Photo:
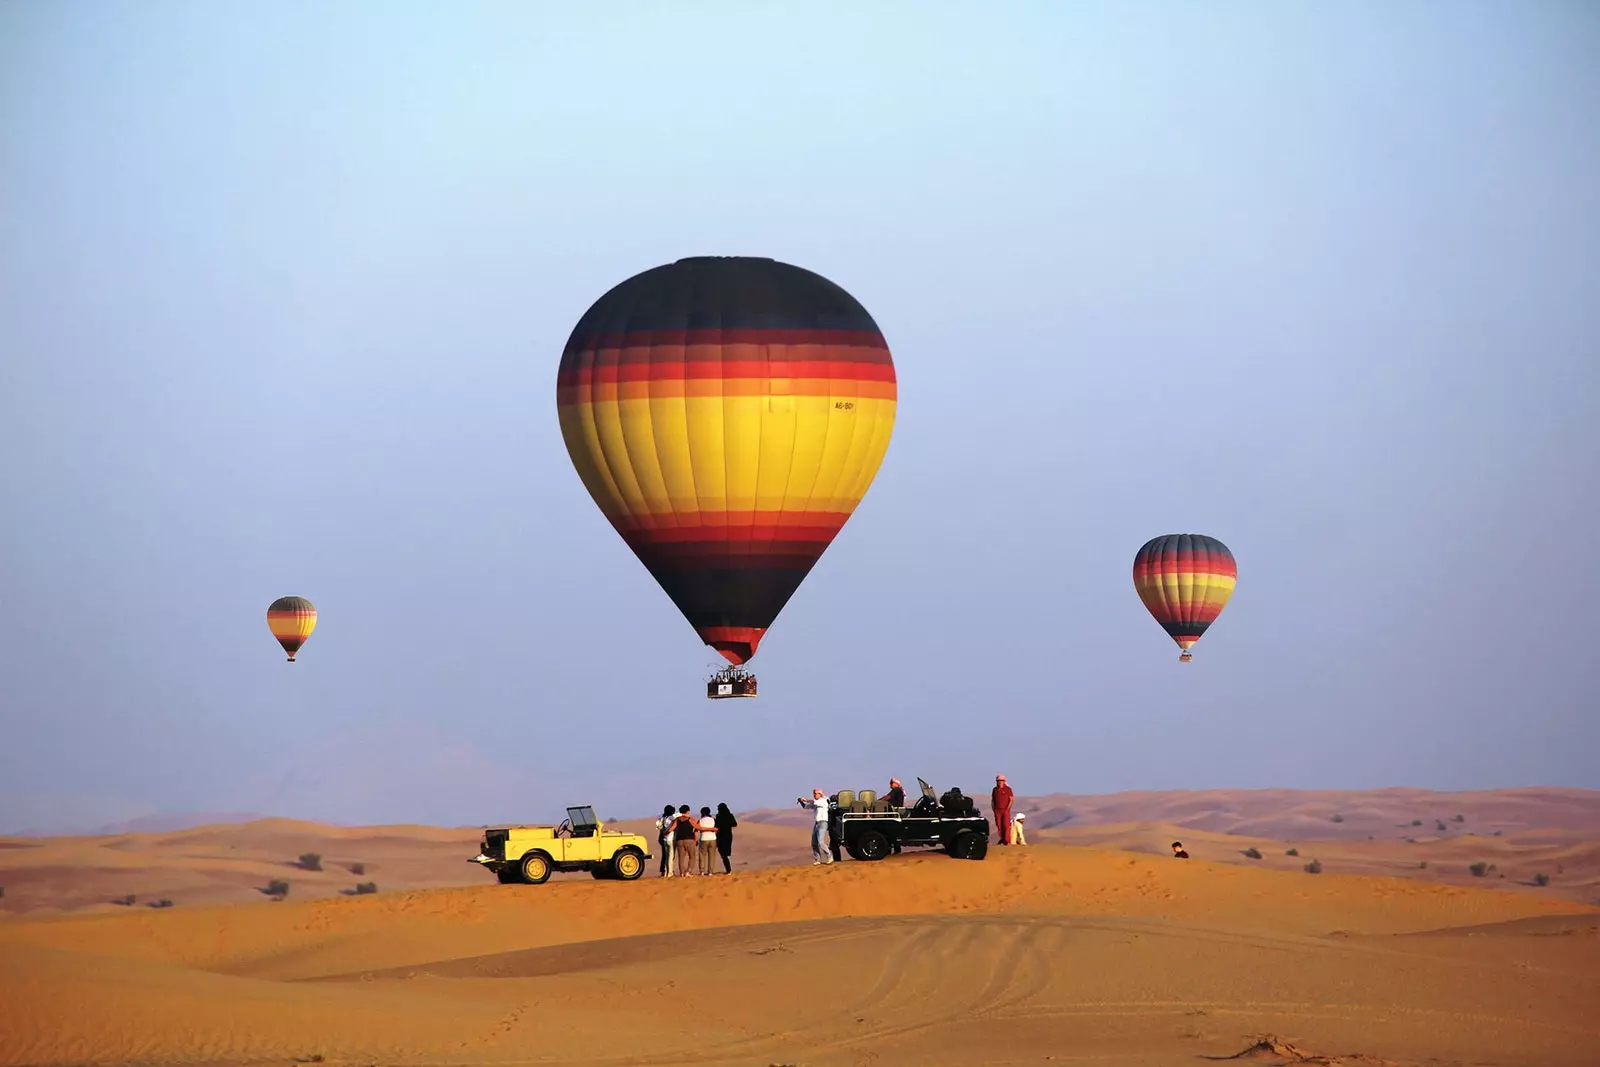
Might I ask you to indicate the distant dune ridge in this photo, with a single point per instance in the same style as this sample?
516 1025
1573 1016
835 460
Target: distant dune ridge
1553 832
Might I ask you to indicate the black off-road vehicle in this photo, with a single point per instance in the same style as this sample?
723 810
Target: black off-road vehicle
869 829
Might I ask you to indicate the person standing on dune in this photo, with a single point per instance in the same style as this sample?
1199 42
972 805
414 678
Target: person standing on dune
707 842
683 831
1018 837
725 823
1000 804
819 826
896 799
664 840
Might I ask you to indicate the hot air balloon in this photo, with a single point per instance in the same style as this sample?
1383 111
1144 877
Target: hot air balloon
727 414
291 620
1185 580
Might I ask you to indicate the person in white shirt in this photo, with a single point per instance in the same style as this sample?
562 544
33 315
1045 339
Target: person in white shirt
819 828
707 842
1017 837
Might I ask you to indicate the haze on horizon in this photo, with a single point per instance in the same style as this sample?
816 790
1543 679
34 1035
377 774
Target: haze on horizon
283 290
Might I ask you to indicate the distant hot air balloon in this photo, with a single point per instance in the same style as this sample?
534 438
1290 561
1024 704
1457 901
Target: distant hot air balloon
1185 580
291 620
727 414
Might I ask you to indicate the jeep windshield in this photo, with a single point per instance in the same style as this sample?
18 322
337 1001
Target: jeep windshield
583 821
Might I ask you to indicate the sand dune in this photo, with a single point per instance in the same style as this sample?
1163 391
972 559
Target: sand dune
1050 953
1544 832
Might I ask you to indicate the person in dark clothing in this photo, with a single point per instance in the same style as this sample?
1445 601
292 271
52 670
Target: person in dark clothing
1178 852
833 827
725 824
895 798
664 838
683 831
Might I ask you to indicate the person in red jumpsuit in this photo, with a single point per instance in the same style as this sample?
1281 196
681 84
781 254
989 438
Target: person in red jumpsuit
1000 804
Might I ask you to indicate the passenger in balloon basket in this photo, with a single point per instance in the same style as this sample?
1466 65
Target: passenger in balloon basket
1000 803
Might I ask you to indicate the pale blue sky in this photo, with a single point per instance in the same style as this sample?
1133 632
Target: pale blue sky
283 287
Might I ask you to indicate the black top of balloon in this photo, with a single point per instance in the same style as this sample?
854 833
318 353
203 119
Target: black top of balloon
721 293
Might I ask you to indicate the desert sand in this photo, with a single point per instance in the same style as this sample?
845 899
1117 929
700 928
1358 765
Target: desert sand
1055 953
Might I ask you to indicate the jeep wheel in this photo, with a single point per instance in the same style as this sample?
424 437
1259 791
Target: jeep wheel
969 845
627 864
535 868
851 851
508 875
601 871
872 845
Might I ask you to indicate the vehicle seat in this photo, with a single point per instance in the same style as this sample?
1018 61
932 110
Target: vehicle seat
847 798
867 796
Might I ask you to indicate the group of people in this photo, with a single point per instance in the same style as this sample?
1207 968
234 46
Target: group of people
825 846
690 845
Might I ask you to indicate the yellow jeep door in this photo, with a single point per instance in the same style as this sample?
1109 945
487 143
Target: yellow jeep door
584 845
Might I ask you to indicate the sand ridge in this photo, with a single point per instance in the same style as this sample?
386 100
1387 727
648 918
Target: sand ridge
1051 950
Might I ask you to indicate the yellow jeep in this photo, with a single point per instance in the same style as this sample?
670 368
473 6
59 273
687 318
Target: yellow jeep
530 854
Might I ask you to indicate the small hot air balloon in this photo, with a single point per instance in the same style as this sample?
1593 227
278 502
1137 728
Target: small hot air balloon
727 414
1185 580
291 620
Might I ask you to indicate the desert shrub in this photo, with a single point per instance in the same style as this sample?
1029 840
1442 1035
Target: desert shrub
1479 869
311 861
126 902
1291 852
1314 867
162 903
1459 818
1423 865
1497 833
1541 879
1438 824
278 888
2 892
358 869
1253 853
1416 822
1338 818
367 887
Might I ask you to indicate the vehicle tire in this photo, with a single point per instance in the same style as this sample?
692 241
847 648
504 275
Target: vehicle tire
535 868
602 871
969 845
627 864
851 851
872 845
508 876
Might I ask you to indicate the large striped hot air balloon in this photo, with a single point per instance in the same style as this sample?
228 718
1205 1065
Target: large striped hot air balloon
727 414
1185 580
291 620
